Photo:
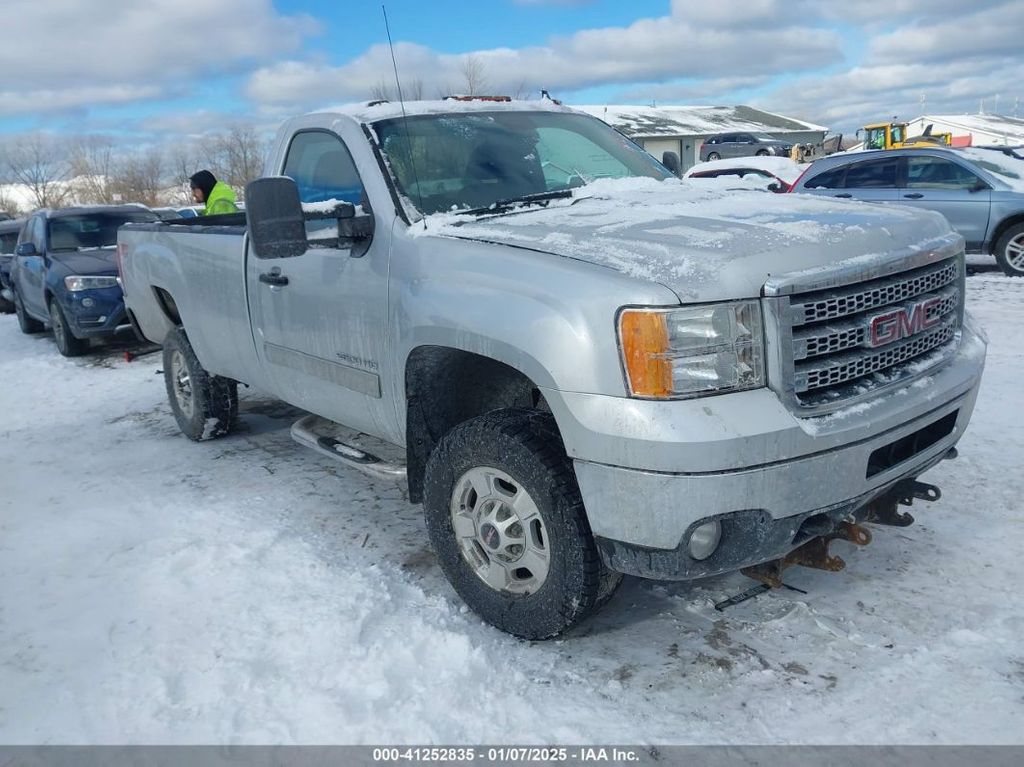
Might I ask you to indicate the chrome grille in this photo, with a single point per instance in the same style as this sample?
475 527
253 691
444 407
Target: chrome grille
878 293
849 367
833 338
853 340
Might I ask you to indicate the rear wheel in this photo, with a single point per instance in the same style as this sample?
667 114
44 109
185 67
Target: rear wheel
714 156
205 406
67 343
1009 251
26 323
507 523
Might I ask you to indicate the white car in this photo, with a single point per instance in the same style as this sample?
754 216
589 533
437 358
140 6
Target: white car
776 174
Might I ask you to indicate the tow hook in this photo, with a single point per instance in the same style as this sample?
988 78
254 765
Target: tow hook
815 554
885 510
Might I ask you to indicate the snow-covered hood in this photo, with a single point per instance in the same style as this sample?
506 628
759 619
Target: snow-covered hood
704 244
87 262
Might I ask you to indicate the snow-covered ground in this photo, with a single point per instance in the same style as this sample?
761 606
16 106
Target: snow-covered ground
153 590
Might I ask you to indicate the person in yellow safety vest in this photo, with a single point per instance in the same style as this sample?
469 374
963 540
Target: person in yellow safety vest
216 195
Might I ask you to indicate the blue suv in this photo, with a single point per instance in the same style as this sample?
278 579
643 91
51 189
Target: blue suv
64 273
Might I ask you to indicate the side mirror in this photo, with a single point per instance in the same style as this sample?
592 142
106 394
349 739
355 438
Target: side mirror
671 161
354 231
26 249
979 186
273 212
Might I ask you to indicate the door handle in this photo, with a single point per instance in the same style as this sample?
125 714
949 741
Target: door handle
914 196
845 195
276 279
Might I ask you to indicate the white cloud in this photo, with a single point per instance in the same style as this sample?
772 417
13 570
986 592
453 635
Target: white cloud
987 33
103 51
650 49
15 103
704 91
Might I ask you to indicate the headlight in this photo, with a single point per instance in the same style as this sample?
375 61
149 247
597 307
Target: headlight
75 284
679 353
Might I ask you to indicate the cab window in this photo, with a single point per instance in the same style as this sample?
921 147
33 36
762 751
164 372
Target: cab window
323 169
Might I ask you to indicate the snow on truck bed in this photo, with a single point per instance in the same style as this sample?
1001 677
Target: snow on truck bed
245 590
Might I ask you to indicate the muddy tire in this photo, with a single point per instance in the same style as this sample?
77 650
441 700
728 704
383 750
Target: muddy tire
67 342
1009 251
204 405
507 524
26 323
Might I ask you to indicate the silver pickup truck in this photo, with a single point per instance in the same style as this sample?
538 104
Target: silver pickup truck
585 366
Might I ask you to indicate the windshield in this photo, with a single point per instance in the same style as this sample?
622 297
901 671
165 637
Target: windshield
7 242
91 230
1008 168
474 160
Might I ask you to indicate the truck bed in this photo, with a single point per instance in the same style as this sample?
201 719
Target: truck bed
193 274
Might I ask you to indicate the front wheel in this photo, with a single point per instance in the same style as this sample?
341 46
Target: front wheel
67 343
714 156
205 406
762 153
507 523
1009 251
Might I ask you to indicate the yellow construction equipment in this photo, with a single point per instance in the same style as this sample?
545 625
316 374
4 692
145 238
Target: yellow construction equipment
894 136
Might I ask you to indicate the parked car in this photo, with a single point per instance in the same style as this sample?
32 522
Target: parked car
613 372
1012 150
727 145
979 191
64 273
167 214
776 174
9 229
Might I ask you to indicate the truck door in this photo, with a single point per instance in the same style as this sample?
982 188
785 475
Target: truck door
935 183
320 319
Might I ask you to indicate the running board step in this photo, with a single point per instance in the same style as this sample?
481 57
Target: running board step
304 431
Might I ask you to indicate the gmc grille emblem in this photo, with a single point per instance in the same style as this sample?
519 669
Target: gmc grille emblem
903 322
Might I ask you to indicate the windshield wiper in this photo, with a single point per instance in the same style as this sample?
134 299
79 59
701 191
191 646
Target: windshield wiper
503 205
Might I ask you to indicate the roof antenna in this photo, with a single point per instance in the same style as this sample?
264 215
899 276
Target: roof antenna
405 119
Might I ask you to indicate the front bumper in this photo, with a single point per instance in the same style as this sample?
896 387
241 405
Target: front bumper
750 458
102 318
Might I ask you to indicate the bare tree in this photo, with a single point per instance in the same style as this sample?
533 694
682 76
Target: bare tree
237 156
139 178
38 162
184 161
91 166
474 74
413 90
381 92
8 204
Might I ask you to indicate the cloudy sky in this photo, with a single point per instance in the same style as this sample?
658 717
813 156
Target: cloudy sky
173 67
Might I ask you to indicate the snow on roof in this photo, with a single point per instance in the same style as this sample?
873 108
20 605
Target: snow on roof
1009 128
650 122
368 112
780 167
1007 169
